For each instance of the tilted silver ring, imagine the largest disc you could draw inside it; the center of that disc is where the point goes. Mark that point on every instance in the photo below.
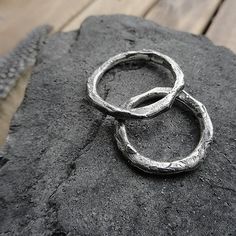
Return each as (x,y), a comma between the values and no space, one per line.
(182,164)
(142,112)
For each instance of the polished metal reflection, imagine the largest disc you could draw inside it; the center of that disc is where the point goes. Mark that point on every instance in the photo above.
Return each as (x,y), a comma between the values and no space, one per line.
(144,112)
(131,110)
(183,163)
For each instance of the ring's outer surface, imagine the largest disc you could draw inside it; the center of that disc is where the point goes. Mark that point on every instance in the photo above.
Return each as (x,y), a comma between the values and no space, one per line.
(182,164)
(142,112)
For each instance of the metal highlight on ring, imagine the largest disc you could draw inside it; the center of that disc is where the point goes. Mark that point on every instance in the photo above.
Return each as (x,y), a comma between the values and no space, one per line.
(183,163)
(143,112)
(131,110)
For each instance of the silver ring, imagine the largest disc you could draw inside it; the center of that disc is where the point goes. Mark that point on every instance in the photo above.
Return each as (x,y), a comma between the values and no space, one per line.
(141,112)
(182,164)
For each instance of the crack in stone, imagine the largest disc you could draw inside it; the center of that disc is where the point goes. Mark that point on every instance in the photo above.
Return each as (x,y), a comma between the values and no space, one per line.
(83,150)
(86,147)
(76,39)
(219,186)
(3,160)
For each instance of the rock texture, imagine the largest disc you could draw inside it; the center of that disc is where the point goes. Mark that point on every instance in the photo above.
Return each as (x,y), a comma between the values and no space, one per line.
(62,173)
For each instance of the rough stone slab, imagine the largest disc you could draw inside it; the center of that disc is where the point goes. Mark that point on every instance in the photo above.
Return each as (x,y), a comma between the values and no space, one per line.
(64,174)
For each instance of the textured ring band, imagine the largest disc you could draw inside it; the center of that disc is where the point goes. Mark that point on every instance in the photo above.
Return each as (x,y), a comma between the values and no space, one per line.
(184,164)
(141,112)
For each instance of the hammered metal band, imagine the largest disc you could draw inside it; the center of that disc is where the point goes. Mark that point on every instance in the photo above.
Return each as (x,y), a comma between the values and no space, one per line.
(131,109)
(142,112)
(182,164)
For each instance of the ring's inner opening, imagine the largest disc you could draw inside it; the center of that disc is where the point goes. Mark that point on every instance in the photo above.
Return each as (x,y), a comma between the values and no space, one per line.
(132,78)
(170,136)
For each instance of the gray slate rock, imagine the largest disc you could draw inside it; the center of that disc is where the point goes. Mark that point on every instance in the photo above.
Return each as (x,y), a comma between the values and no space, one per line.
(63,174)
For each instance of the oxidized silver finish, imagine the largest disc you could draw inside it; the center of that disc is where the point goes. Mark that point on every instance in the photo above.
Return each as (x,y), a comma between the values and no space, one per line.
(182,164)
(131,110)
(142,112)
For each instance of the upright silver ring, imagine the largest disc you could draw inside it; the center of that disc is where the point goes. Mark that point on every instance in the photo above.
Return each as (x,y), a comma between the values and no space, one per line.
(182,164)
(141,112)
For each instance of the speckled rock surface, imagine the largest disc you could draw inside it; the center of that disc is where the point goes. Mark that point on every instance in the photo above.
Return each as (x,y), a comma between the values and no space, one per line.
(64,174)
